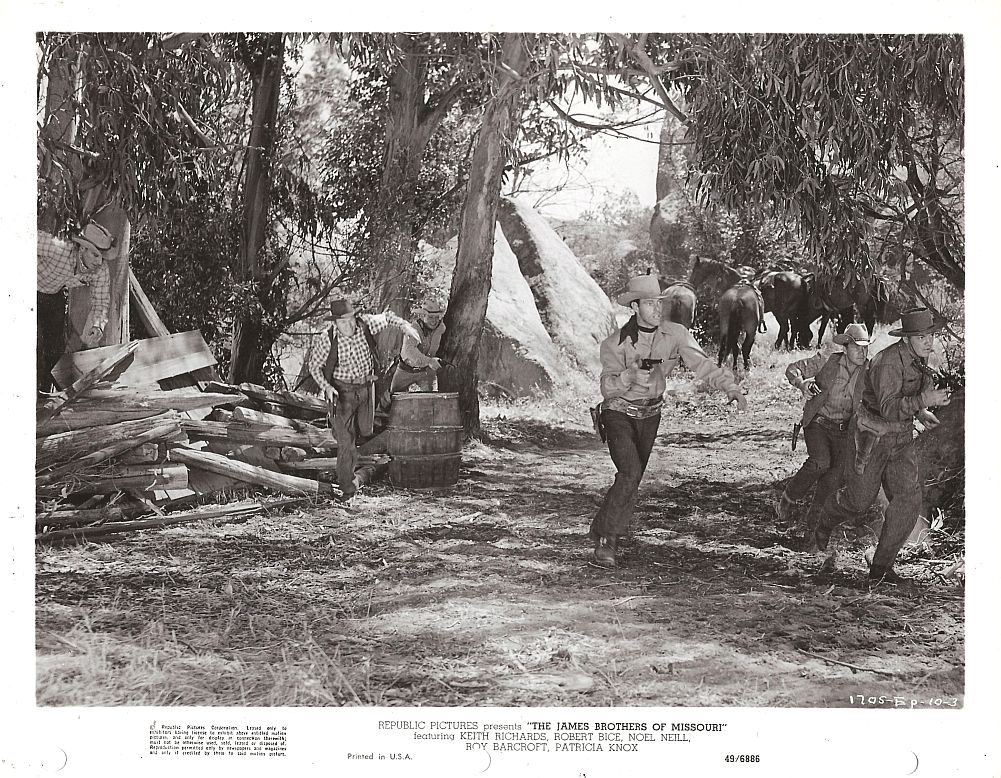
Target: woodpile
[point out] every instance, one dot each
(136, 433)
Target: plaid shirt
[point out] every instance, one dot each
(354, 359)
(60, 266)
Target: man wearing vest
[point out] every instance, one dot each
(418, 363)
(344, 362)
(832, 386)
(898, 390)
(635, 363)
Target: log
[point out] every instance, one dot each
(287, 453)
(237, 512)
(154, 359)
(143, 454)
(171, 428)
(241, 432)
(64, 446)
(259, 417)
(82, 418)
(113, 357)
(305, 402)
(130, 478)
(216, 463)
(68, 518)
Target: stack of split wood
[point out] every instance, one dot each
(141, 429)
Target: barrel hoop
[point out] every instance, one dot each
(424, 429)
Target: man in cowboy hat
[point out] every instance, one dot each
(344, 361)
(898, 390)
(418, 363)
(61, 266)
(832, 386)
(635, 362)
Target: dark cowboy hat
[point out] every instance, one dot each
(916, 321)
(339, 308)
(640, 288)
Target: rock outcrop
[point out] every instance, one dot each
(576, 313)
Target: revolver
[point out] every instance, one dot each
(647, 364)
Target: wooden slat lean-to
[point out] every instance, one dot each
(144, 309)
(155, 359)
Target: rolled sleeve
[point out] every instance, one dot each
(319, 350)
(696, 360)
(804, 368)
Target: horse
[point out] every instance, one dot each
(739, 310)
(865, 302)
(739, 305)
(784, 293)
(679, 304)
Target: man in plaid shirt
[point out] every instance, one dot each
(63, 265)
(344, 362)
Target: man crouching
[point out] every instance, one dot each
(635, 363)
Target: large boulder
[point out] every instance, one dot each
(576, 313)
(516, 351)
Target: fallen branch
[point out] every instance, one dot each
(87, 380)
(847, 664)
(162, 431)
(241, 471)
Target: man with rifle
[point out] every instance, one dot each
(345, 362)
(635, 363)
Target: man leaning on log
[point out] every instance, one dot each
(635, 363)
(344, 361)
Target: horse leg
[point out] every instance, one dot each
(783, 332)
(748, 344)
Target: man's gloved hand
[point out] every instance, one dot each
(927, 419)
(737, 396)
(934, 397)
(809, 387)
(92, 336)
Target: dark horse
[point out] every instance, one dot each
(785, 295)
(679, 304)
(738, 304)
(830, 300)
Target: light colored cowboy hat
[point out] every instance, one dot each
(431, 305)
(916, 321)
(96, 237)
(856, 333)
(640, 288)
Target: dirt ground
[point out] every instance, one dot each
(481, 595)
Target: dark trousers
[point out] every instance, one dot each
(892, 463)
(352, 416)
(828, 449)
(50, 335)
(630, 442)
(403, 379)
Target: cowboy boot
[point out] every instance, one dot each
(604, 551)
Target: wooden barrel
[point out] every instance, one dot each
(425, 439)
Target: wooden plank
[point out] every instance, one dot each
(144, 310)
(155, 358)
(67, 518)
(114, 357)
(118, 447)
(143, 454)
(305, 402)
(65, 446)
(216, 463)
(241, 432)
(330, 463)
(131, 478)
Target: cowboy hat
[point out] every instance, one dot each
(431, 306)
(856, 333)
(96, 237)
(916, 321)
(640, 288)
(339, 308)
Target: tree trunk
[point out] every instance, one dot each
(251, 343)
(59, 124)
(467, 306)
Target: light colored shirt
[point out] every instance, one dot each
(670, 342)
(354, 357)
(418, 353)
(60, 266)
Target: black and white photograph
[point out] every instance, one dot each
(491, 401)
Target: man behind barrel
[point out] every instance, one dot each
(898, 390)
(344, 362)
(832, 386)
(419, 363)
(635, 363)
